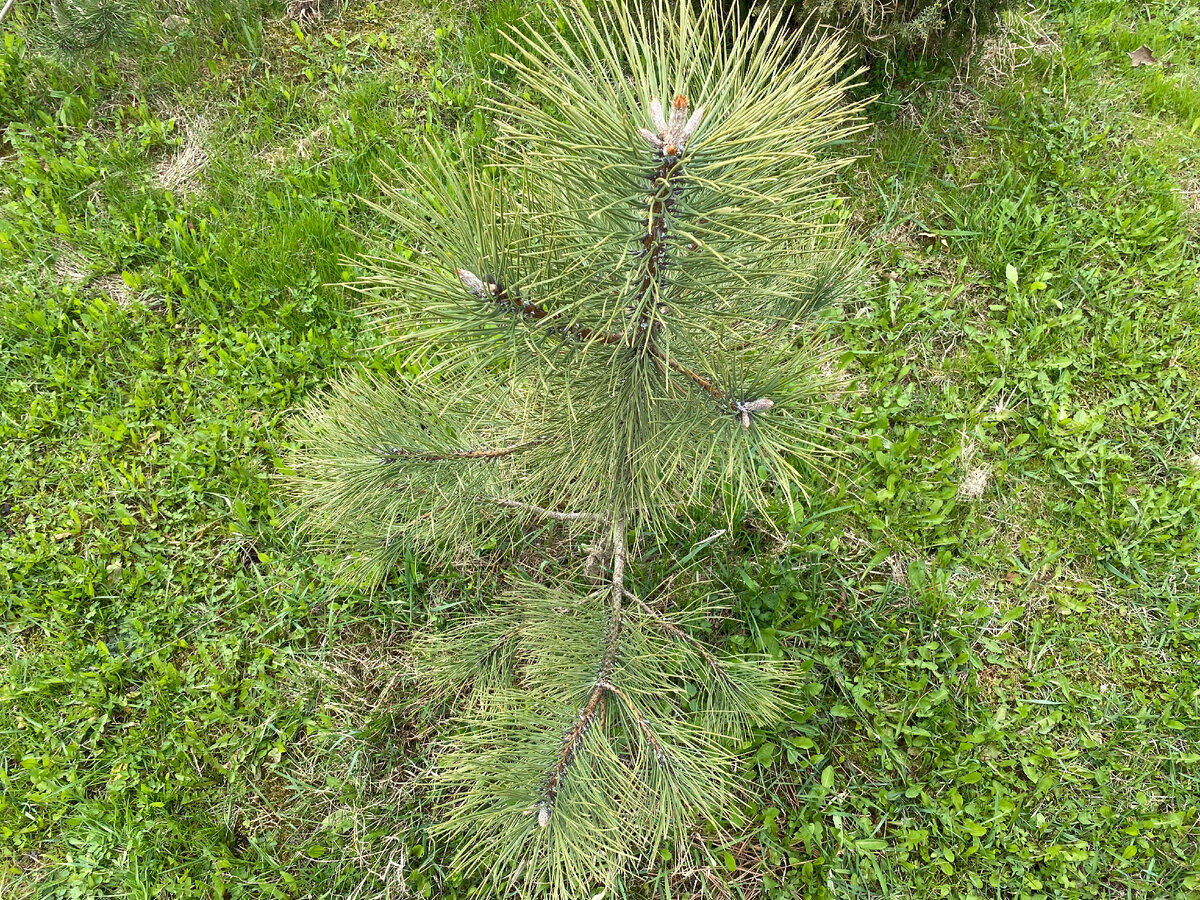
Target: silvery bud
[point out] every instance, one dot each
(758, 405)
(473, 283)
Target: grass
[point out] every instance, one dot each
(997, 600)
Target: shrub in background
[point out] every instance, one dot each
(887, 31)
(76, 26)
(611, 335)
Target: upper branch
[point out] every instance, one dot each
(664, 362)
(492, 291)
(669, 140)
(510, 300)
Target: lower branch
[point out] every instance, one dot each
(549, 513)
(660, 752)
(571, 741)
(594, 706)
(682, 636)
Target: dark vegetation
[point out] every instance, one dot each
(891, 36)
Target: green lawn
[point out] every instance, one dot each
(996, 594)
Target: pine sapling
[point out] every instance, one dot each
(611, 328)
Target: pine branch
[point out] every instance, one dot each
(682, 636)
(595, 702)
(654, 246)
(571, 741)
(395, 454)
(660, 752)
(491, 290)
(550, 513)
(669, 145)
(696, 378)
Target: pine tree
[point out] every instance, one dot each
(610, 325)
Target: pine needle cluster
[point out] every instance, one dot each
(611, 324)
(75, 26)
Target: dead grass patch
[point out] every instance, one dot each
(70, 266)
(1023, 36)
(975, 476)
(114, 287)
(304, 148)
(181, 172)
(371, 743)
